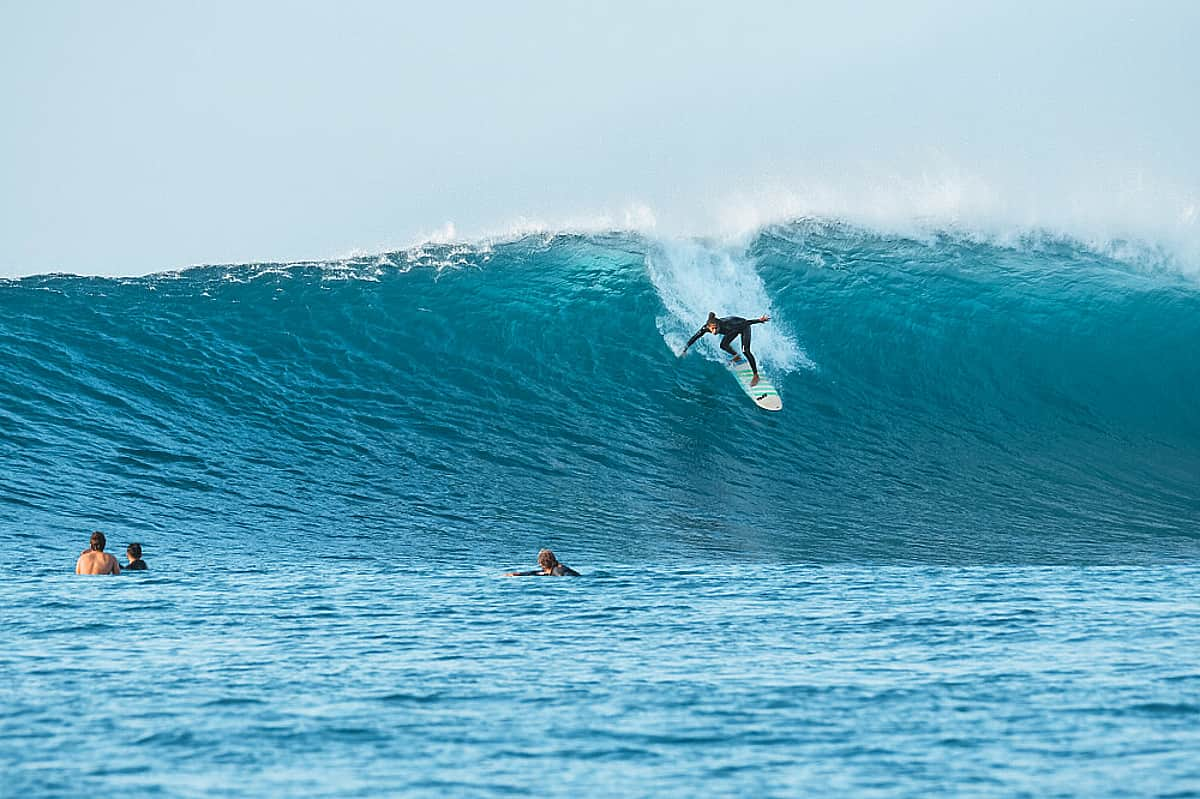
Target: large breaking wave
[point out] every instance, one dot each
(947, 399)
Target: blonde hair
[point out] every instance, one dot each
(547, 560)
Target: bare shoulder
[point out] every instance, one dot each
(91, 562)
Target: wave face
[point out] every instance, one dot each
(946, 400)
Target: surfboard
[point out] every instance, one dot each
(764, 394)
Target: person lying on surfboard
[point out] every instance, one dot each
(550, 567)
(730, 327)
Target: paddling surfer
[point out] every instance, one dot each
(729, 328)
(550, 567)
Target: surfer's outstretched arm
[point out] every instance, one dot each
(694, 339)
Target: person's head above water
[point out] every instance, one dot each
(98, 541)
(134, 553)
(547, 560)
(712, 324)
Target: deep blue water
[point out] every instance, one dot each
(962, 560)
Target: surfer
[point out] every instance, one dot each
(95, 560)
(730, 327)
(550, 567)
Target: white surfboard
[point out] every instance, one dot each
(764, 393)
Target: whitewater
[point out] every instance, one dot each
(961, 560)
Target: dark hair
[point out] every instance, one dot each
(134, 550)
(712, 317)
(546, 559)
(98, 541)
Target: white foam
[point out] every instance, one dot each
(693, 277)
(633, 218)
(1128, 217)
(1131, 217)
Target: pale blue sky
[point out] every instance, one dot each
(144, 136)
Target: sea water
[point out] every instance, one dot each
(961, 561)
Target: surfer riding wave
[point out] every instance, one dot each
(729, 328)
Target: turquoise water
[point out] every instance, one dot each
(962, 560)
(353, 679)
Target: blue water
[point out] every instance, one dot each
(962, 560)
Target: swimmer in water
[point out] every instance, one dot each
(550, 567)
(134, 553)
(95, 560)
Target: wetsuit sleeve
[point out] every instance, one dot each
(569, 572)
(693, 339)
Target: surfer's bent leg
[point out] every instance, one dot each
(746, 351)
(725, 344)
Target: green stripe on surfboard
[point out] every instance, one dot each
(764, 394)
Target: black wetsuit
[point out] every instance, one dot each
(729, 328)
(135, 566)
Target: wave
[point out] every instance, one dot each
(948, 398)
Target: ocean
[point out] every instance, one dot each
(962, 560)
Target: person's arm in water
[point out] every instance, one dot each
(559, 570)
(759, 320)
